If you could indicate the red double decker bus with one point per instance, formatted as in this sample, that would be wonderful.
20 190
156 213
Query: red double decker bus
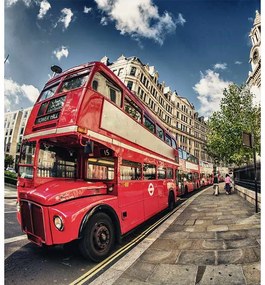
206 173
94 163
188 173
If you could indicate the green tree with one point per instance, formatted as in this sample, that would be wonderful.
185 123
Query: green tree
9 160
237 115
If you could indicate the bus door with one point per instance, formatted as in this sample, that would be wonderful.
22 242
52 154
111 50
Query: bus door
131 194
151 190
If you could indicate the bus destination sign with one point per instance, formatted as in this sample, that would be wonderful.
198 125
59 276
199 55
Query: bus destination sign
47 118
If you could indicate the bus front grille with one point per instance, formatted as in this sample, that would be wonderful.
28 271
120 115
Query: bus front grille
32 220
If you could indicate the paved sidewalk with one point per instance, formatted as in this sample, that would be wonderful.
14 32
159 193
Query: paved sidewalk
209 240
10 191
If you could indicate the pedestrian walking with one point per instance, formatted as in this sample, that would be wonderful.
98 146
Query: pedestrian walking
228 184
215 185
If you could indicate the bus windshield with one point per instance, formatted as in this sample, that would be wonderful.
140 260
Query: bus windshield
54 161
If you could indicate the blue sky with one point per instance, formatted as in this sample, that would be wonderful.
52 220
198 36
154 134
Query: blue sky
198 47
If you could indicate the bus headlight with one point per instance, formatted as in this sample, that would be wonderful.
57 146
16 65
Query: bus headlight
58 222
18 206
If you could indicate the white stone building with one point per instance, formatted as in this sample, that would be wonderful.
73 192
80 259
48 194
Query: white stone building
254 77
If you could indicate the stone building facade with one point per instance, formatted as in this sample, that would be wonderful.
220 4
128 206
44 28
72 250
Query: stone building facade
14 125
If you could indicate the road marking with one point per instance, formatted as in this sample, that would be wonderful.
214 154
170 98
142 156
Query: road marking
13 239
11 212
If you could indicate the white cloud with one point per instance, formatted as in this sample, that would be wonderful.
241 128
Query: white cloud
66 17
220 66
181 20
104 21
87 10
60 52
17 96
210 89
12 2
139 18
238 62
44 8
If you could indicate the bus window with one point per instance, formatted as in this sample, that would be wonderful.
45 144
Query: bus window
48 92
168 139
56 161
105 87
174 144
149 171
189 177
132 109
130 170
74 81
161 173
149 124
100 169
180 151
159 132
169 173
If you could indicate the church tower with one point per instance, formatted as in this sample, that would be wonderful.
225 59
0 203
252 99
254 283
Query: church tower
254 77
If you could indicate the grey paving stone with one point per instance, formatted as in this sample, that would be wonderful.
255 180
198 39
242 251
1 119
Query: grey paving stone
240 243
213 244
221 274
174 235
196 257
173 274
232 235
190 222
224 221
217 228
129 281
160 256
139 271
237 256
253 232
202 235
252 273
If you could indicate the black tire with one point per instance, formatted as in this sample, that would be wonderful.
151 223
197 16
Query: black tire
98 237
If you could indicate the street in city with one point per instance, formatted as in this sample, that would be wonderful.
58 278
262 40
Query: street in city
208 240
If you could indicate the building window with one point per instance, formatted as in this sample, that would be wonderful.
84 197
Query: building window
130 85
120 72
133 71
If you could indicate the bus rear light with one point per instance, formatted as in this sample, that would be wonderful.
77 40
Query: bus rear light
82 130
58 222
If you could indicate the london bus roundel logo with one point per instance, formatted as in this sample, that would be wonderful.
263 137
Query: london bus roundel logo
151 189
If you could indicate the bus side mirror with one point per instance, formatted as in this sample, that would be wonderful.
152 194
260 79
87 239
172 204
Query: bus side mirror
89 147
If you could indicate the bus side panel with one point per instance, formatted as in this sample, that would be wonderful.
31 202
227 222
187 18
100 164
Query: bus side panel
151 190
131 204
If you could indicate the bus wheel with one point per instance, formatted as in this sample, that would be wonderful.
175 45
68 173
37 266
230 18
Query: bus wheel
98 238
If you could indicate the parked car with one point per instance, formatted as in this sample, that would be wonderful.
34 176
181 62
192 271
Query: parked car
10 169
